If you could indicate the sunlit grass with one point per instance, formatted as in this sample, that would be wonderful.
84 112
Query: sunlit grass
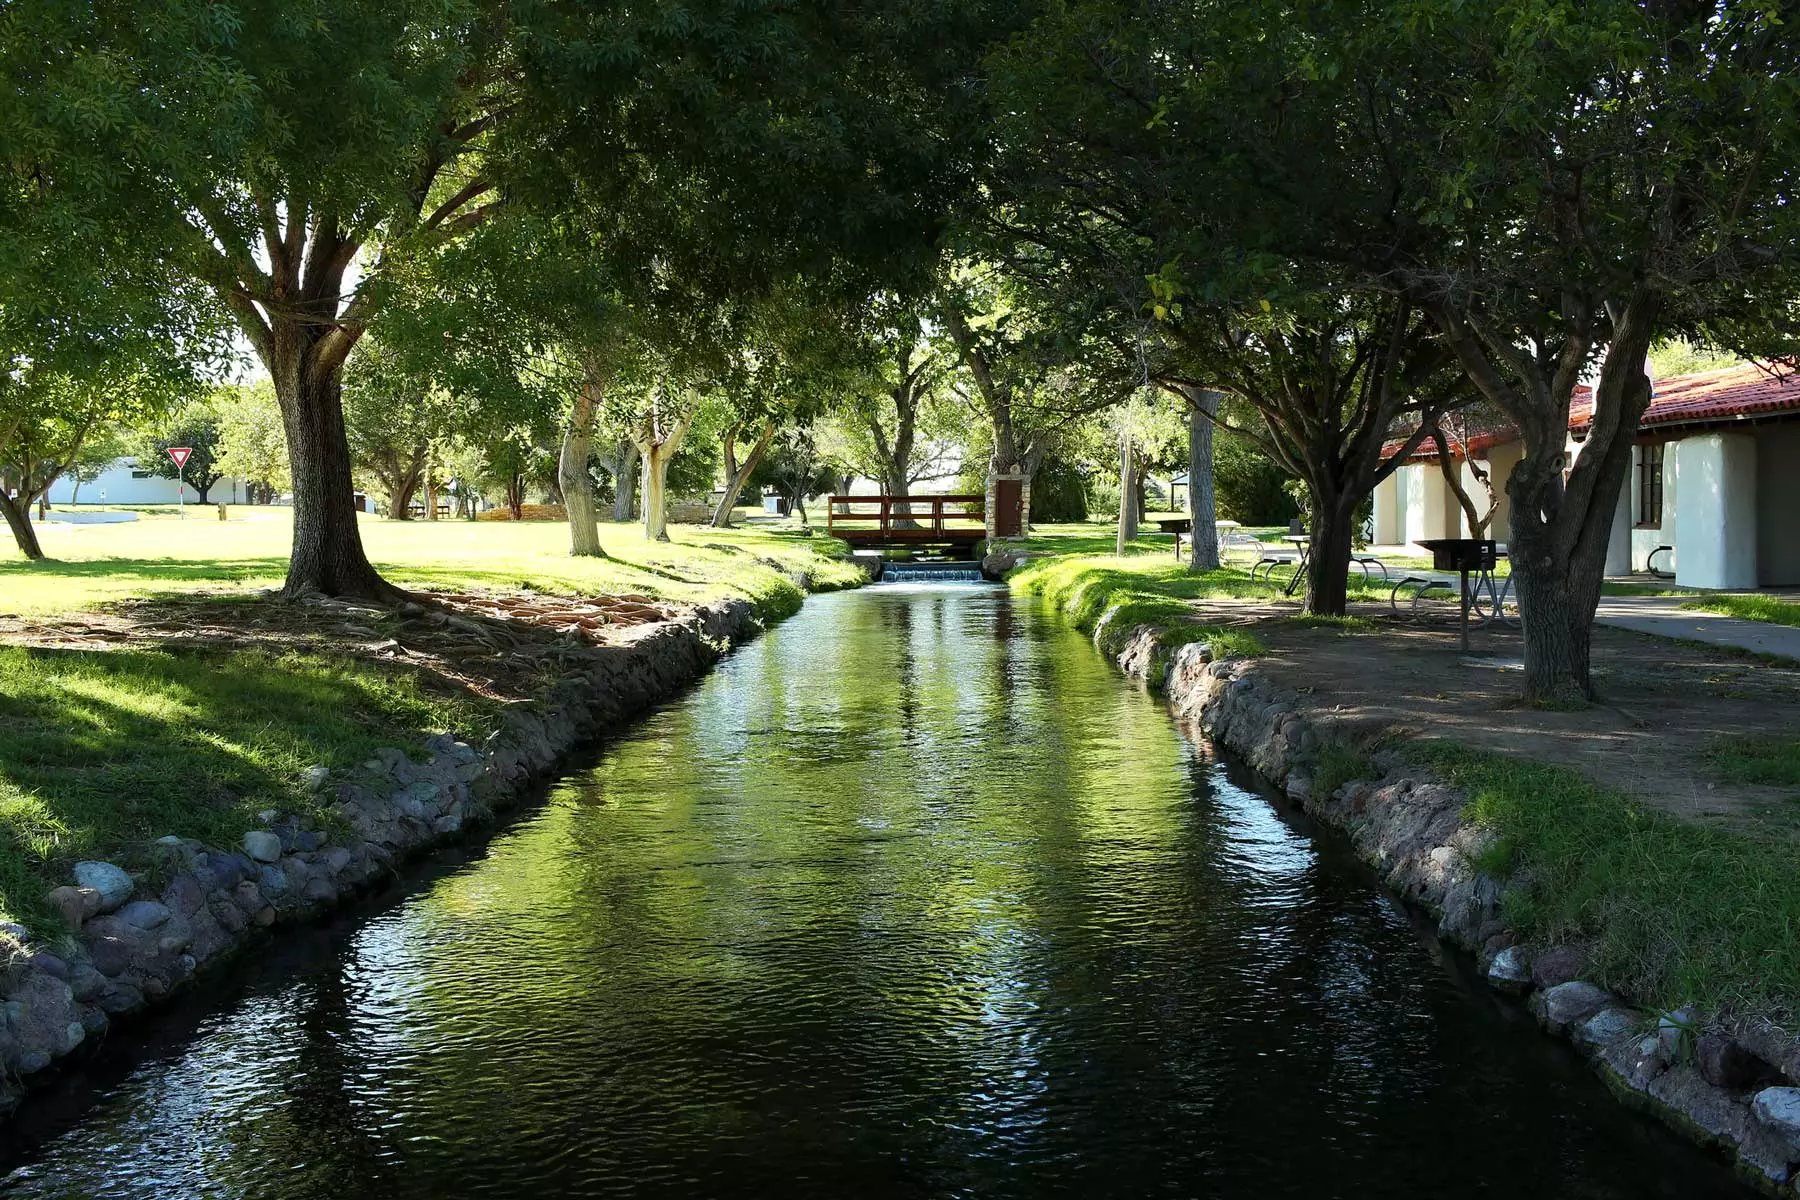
101 752
1115 595
92 564
1750 608
1678 913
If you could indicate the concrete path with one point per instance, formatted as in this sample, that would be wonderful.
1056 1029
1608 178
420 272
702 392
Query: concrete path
1664 616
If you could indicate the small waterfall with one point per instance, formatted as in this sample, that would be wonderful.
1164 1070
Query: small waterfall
897 572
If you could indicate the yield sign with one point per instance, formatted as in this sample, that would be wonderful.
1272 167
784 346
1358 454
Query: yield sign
180 455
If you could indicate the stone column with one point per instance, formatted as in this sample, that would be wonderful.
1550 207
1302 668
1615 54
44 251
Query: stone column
1618 542
1390 511
1715 514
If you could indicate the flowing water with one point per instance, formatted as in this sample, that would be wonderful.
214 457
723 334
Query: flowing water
914 897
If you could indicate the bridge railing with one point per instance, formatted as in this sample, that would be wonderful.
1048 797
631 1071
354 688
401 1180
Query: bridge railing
906 518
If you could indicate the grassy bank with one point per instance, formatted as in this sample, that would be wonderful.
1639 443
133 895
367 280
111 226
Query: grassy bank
1116 595
1677 913
103 750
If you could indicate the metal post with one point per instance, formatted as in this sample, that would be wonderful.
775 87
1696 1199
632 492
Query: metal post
1465 610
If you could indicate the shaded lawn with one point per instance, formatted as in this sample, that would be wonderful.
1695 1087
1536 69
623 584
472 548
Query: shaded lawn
1770 760
102 752
1678 913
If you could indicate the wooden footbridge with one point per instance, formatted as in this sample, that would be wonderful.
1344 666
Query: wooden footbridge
885 523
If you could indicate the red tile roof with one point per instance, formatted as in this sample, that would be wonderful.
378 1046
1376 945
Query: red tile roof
1728 394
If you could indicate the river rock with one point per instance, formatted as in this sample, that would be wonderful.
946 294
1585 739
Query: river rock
85 982
1648 1060
1571 1003
207 937
314 779
1677 1032
1779 1109
74 904
113 946
1605 1027
229 869
145 914
112 882
42 1011
184 895
1508 971
120 998
53 965
226 912
1726 1064
1559 964
263 846
271 880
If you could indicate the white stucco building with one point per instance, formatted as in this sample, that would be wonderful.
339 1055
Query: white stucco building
124 482
1714 490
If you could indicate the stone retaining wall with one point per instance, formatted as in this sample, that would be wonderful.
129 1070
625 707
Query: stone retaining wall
1731 1084
134 940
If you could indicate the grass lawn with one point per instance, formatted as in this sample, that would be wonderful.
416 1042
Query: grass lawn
92 564
1750 608
103 751
1677 913
1774 761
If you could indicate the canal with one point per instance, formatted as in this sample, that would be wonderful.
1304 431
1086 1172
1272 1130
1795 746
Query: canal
914 897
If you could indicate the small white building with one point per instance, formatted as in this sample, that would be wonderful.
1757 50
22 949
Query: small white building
1714 490
125 482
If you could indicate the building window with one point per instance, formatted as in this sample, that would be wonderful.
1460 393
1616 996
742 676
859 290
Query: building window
1650 485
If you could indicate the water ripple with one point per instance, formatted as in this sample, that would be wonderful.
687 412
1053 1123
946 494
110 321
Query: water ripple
912 899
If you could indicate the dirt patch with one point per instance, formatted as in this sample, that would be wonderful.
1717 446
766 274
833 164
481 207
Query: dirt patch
503 646
1664 705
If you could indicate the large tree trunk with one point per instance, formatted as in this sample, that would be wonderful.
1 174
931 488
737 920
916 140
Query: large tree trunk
1203 512
572 466
738 474
1128 514
658 445
1328 554
327 553
18 518
624 467
1561 524
402 479
431 496
655 500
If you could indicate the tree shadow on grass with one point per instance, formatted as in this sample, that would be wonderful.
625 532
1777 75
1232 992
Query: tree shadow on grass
101 752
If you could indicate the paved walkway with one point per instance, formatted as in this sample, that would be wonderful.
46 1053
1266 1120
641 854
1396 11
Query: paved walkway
1664 616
